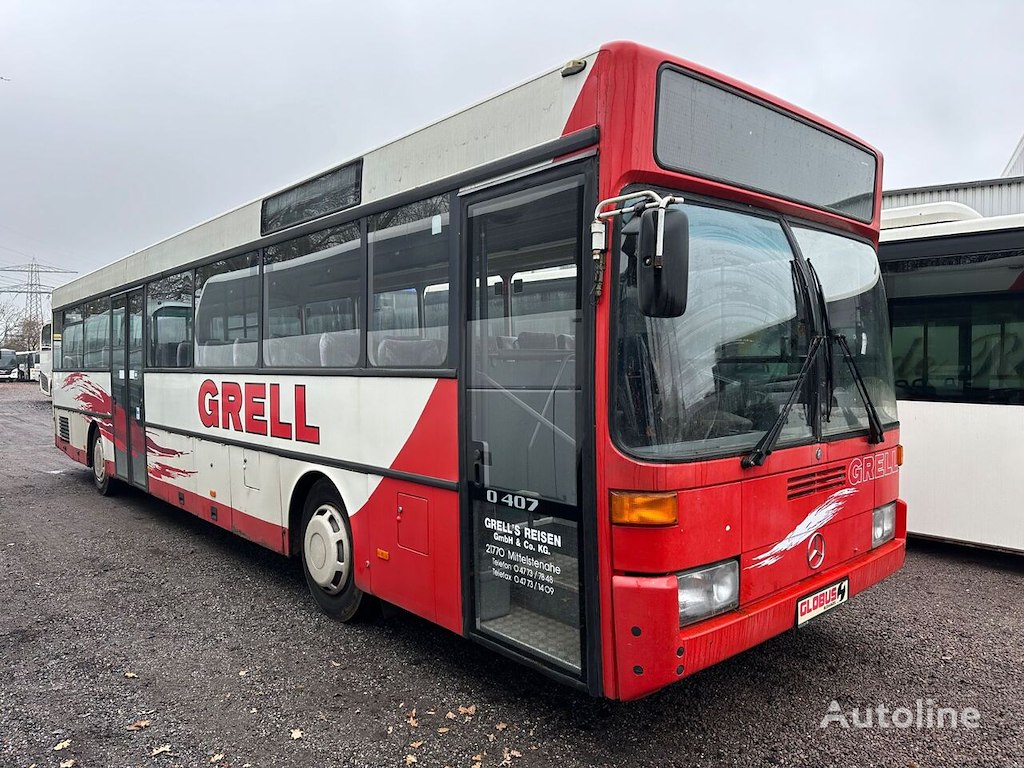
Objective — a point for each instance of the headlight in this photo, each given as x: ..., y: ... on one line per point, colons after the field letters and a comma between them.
x: 706, y: 592
x: 883, y: 524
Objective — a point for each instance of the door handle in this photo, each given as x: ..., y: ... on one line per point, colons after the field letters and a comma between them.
x: 482, y: 460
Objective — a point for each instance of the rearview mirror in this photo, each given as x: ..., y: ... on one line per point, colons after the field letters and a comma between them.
x: 663, y: 262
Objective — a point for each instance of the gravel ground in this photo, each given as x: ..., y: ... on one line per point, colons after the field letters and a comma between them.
x: 125, y: 611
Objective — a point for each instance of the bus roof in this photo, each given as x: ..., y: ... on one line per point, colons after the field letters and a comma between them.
x: 537, y: 109
x: 942, y: 219
x: 544, y: 116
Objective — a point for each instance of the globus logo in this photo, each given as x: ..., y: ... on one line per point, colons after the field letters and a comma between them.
x: 255, y: 408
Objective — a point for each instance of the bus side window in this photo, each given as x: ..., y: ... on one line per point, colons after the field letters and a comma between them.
x: 227, y: 312
x: 169, y: 307
x: 313, y: 284
x: 72, y: 339
x: 409, y: 251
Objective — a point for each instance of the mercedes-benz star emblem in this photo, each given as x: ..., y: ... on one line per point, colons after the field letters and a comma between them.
x: 816, y: 550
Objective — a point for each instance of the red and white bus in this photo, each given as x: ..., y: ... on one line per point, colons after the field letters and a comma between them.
x: 595, y: 373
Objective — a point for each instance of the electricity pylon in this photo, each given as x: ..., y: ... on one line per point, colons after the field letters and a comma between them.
x: 33, y: 287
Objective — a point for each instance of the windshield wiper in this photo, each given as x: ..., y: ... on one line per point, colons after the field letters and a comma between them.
x: 767, y: 443
x: 830, y: 384
x: 875, y: 432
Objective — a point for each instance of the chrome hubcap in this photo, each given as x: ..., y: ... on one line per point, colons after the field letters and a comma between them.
x: 99, y: 465
x: 327, y: 549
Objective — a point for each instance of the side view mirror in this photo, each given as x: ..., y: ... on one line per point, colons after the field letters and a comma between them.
x: 663, y: 262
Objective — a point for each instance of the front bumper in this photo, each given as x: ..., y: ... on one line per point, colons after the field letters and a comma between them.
x: 653, y: 652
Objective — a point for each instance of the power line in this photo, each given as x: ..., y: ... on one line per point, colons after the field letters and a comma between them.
x: 33, y: 287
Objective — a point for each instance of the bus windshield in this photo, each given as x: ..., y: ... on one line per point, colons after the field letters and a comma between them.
x: 714, y: 380
x: 852, y: 282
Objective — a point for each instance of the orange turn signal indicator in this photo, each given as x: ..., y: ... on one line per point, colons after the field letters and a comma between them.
x: 899, y: 455
x: 630, y: 508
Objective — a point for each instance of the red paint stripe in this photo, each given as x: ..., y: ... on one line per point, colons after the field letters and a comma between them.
x: 76, y: 454
x: 262, y: 532
x: 432, y: 446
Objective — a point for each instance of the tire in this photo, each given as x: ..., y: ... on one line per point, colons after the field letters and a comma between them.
x: 327, y: 555
x: 100, y: 479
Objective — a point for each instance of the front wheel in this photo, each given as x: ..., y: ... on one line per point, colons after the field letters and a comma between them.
x: 327, y: 555
x: 100, y: 478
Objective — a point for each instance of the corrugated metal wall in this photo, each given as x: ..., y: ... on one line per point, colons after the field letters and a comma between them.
x: 997, y: 197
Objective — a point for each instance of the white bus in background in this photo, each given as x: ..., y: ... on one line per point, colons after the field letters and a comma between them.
x: 45, y: 366
x: 19, y: 366
x: 955, y: 282
x: 29, y: 366
x: 8, y: 364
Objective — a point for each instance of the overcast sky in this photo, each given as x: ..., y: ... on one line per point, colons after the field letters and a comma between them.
x: 122, y: 123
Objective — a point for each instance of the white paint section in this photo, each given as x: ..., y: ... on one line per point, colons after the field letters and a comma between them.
x: 76, y: 395
x: 816, y: 519
x: 531, y: 114
x: 364, y: 420
x: 961, y: 471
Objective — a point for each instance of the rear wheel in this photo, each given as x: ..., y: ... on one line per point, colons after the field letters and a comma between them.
x: 327, y: 555
x: 100, y: 478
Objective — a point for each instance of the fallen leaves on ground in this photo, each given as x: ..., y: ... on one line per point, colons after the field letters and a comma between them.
x: 162, y: 750
x: 138, y: 725
x: 450, y: 715
x: 501, y: 726
x: 508, y: 754
x: 130, y: 674
x: 410, y: 718
x: 63, y: 745
x: 468, y: 711
x: 416, y: 744
x: 217, y: 758
x: 443, y: 730
x: 69, y: 763
x: 410, y: 759
x: 334, y: 663
x: 243, y: 672
x: 297, y: 733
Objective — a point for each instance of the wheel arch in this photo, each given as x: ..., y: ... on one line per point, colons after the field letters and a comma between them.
x: 90, y: 439
x: 297, y: 501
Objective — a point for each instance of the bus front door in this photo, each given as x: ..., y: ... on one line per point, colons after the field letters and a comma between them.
x: 523, y: 401
x: 126, y: 389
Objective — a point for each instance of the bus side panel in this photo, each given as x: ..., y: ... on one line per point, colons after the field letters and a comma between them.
x: 414, y: 549
x: 71, y: 434
x: 956, y: 478
x: 171, y: 466
x: 78, y: 400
